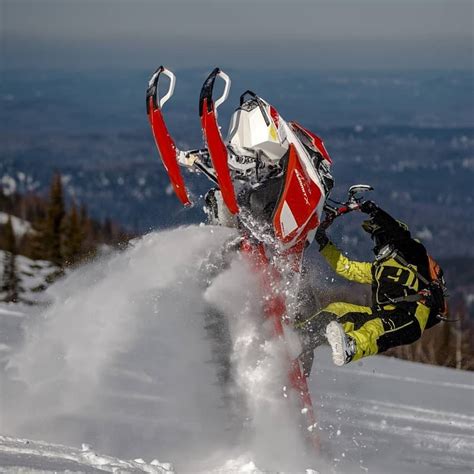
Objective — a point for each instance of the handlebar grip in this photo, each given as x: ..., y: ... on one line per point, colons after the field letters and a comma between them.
x: 208, y: 88
x: 153, y: 88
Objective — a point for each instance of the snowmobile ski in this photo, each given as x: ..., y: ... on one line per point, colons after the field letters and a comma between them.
x: 213, y: 137
x: 163, y: 140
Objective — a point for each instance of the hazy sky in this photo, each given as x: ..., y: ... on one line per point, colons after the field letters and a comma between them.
x: 265, y: 33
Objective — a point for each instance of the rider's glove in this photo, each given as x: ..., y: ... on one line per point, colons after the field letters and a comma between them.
x: 369, y: 207
x: 426, y: 297
x: 437, y: 295
x: 321, y: 238
x: 433, y: 296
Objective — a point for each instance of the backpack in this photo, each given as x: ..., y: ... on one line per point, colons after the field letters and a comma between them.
x: 438, y: 289
x: 435, y: 284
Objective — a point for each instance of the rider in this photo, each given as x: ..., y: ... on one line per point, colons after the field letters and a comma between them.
x: 403, y: 302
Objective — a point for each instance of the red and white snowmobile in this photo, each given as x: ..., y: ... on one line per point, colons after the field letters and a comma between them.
x: 272, y: 179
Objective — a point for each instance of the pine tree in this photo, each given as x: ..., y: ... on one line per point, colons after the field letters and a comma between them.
x: 89, y: 244
x: 52, y: 226
x: 107, y: 230
x: 10, y: 279
x: 73, y: 237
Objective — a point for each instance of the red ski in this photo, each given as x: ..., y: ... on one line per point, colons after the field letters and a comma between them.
x: 212, y: 135
x: 163, y: 140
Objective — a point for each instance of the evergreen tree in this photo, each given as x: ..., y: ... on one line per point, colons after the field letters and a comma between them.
x: 89, y: 244
x: 52, y: 226
x: 108, y: 230
x: 73, y: 237
x: 10, y: 279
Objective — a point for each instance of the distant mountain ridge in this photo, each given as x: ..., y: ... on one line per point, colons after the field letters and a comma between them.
x: 409, y: 134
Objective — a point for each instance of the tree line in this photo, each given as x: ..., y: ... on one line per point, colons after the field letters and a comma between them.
x: 61, y: 233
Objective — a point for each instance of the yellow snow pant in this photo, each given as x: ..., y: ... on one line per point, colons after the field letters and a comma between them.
x: 373, y: 333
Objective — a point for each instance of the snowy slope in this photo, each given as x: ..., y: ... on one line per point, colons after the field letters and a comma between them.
x: 131, y: 359
x: 20, y: 226
x: 392, y: 416
x: 23, y: 455
x: 33, y: 274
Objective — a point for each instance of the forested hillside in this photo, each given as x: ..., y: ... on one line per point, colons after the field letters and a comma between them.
x: 48, y: 229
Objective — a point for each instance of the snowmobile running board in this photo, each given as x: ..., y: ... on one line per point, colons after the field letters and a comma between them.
x: 213, y: 137
x: 163, y: 140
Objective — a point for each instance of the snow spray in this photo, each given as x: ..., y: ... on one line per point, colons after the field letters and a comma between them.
x: 273, y: 438
x: 124, y: 359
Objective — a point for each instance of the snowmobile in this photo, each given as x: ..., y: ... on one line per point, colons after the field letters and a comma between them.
x: 272, y: 179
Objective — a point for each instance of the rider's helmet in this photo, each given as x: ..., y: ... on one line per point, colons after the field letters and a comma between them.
x: 384, y: 233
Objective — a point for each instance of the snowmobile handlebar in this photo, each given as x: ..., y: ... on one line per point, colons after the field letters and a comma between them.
x: 153, y: 88
x: 208, y: 88
x: 353, y: 203
x: 333, y: 212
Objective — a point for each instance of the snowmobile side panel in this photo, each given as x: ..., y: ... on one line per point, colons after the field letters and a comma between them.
x: 298, y: 203
x: 218, y: 153
x: 168, y: 153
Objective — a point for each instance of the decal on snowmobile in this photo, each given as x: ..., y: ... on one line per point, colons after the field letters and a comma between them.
x: 298, y: 203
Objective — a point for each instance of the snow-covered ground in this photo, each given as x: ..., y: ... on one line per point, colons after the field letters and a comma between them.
x: 131, y: 359
x: 24, y: 455
x: 393, y: 416
x: 33, y: 275
x: 20, y: 226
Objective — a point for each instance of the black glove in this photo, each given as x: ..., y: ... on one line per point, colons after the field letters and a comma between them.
x: 369, y: 207
x: 437, y: 296
x: 425, y: 297
x: 433, y: 296
x: 321, y: 238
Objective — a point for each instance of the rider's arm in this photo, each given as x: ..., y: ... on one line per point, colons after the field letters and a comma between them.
x: 361, y: 272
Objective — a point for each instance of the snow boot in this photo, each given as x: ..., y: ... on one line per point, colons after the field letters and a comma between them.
x: 343, y: 346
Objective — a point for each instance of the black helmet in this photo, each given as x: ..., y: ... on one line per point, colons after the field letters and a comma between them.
x: 383, y: 234
x: 376, y: 231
